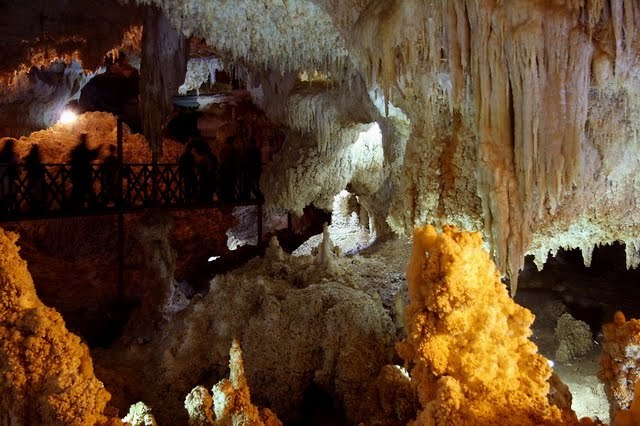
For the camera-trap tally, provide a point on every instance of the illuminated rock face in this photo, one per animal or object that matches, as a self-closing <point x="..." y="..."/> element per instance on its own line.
<point x="467" y="340"/>
<point x="517" y="119"/>
<point x="619" y="364"/>
<point x="36" y="100"/>
<point x="230" y="403"/>
<point x="38" y="34"/>
<point x="46" y="373"/>
<point x="521" y="115"/>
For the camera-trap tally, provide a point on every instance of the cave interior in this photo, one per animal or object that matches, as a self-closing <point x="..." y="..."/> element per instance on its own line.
<point x="319" y="212"/>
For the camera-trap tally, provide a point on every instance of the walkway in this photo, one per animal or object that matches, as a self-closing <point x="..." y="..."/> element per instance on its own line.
<point x="134" y="187"/>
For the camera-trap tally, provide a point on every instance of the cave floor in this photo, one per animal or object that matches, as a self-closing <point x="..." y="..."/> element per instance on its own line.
<point x="589" y="399"/>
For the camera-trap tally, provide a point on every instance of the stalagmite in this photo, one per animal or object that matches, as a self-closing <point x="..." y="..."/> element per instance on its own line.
<point x="140" y="415"/>
<point x="467" y="341"/>
<point x="46" y="373"/>
<point x="630" y="417"/>
<point x="619" y="364"/>
<point x="231" y="400"/>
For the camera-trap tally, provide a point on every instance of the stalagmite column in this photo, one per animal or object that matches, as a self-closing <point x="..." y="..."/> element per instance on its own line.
<point x="163" y="67"/>
<point x="619" y="363"/>
<point x="467" y="340"/>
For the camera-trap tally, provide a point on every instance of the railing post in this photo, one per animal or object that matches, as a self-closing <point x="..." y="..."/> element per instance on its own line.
<point x="154" y="179"/>
<point x="120" y="208"/>
<point x="120" y="154"/>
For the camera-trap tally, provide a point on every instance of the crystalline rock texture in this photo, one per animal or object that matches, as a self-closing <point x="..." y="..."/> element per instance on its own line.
<point x="467" y="340"/>
<point x="46" y="373"/>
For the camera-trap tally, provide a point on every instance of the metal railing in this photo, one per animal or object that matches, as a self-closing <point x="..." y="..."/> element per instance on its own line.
<point x="55" y="189"/>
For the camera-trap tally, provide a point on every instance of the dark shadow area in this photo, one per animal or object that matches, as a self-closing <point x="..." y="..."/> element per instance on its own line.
<point x="309" y="224"/>
<point x="103" y="334"/>
<point x="318" y="409"/>
<point x="183" y="125"/>
<point x="591" y="294"/>
<point x="115" y="91"/>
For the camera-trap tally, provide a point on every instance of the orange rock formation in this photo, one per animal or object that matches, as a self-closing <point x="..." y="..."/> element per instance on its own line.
<point x="620" y="361"/>
<point x="231" y="401"/>
<point x="467" y="340"/>
<point x="46" y="373"/>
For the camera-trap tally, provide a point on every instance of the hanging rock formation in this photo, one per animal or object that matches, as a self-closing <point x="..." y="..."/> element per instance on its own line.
<point x="522" y="130"/>
<point x="162" y="71"/>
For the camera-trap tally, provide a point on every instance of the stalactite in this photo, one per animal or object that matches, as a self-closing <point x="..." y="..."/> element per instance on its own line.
<point x="163" y="68"/>
<point x="199" y="71"/>
<point x="284" y="35"/>
<point x="526" y="75"/>
<point x="513" y="105"/>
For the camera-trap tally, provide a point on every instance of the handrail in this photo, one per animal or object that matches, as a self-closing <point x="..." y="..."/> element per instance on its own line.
<point x="50" y="189"/>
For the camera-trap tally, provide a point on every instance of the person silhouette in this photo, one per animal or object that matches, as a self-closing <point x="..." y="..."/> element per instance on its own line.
<point x="187" y="173"/>
<point x="35" y="191"/>
<point x="8" y="175"/>
<point x="82" y="173"/>
<point x="109" y="175"/>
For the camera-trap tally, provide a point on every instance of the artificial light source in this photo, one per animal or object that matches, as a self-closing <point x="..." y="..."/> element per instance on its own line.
<point x="68" y="117"/>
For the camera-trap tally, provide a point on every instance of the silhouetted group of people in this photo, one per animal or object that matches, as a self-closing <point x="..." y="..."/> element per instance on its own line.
<point x="84" y="176"/>
<point x="235" y="176"/>
<point x="10" y="178"/>
<point x="32" y="186"/>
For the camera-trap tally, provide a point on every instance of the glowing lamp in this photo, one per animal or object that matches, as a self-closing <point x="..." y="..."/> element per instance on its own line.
<point x="68" y="117"/>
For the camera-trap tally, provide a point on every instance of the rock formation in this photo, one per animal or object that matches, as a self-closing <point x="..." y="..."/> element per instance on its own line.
<point x="631" y="416"/>
<point x="231" y="400"/>
<point x="472" y="104"/>
<point x="574" y="337"/>
<point x="620" y="361"/>
<point x="517" y="120"/>
<point x="302" y="321"/>
<point x="46" y="373"/>
<point x="467" y="340"/>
